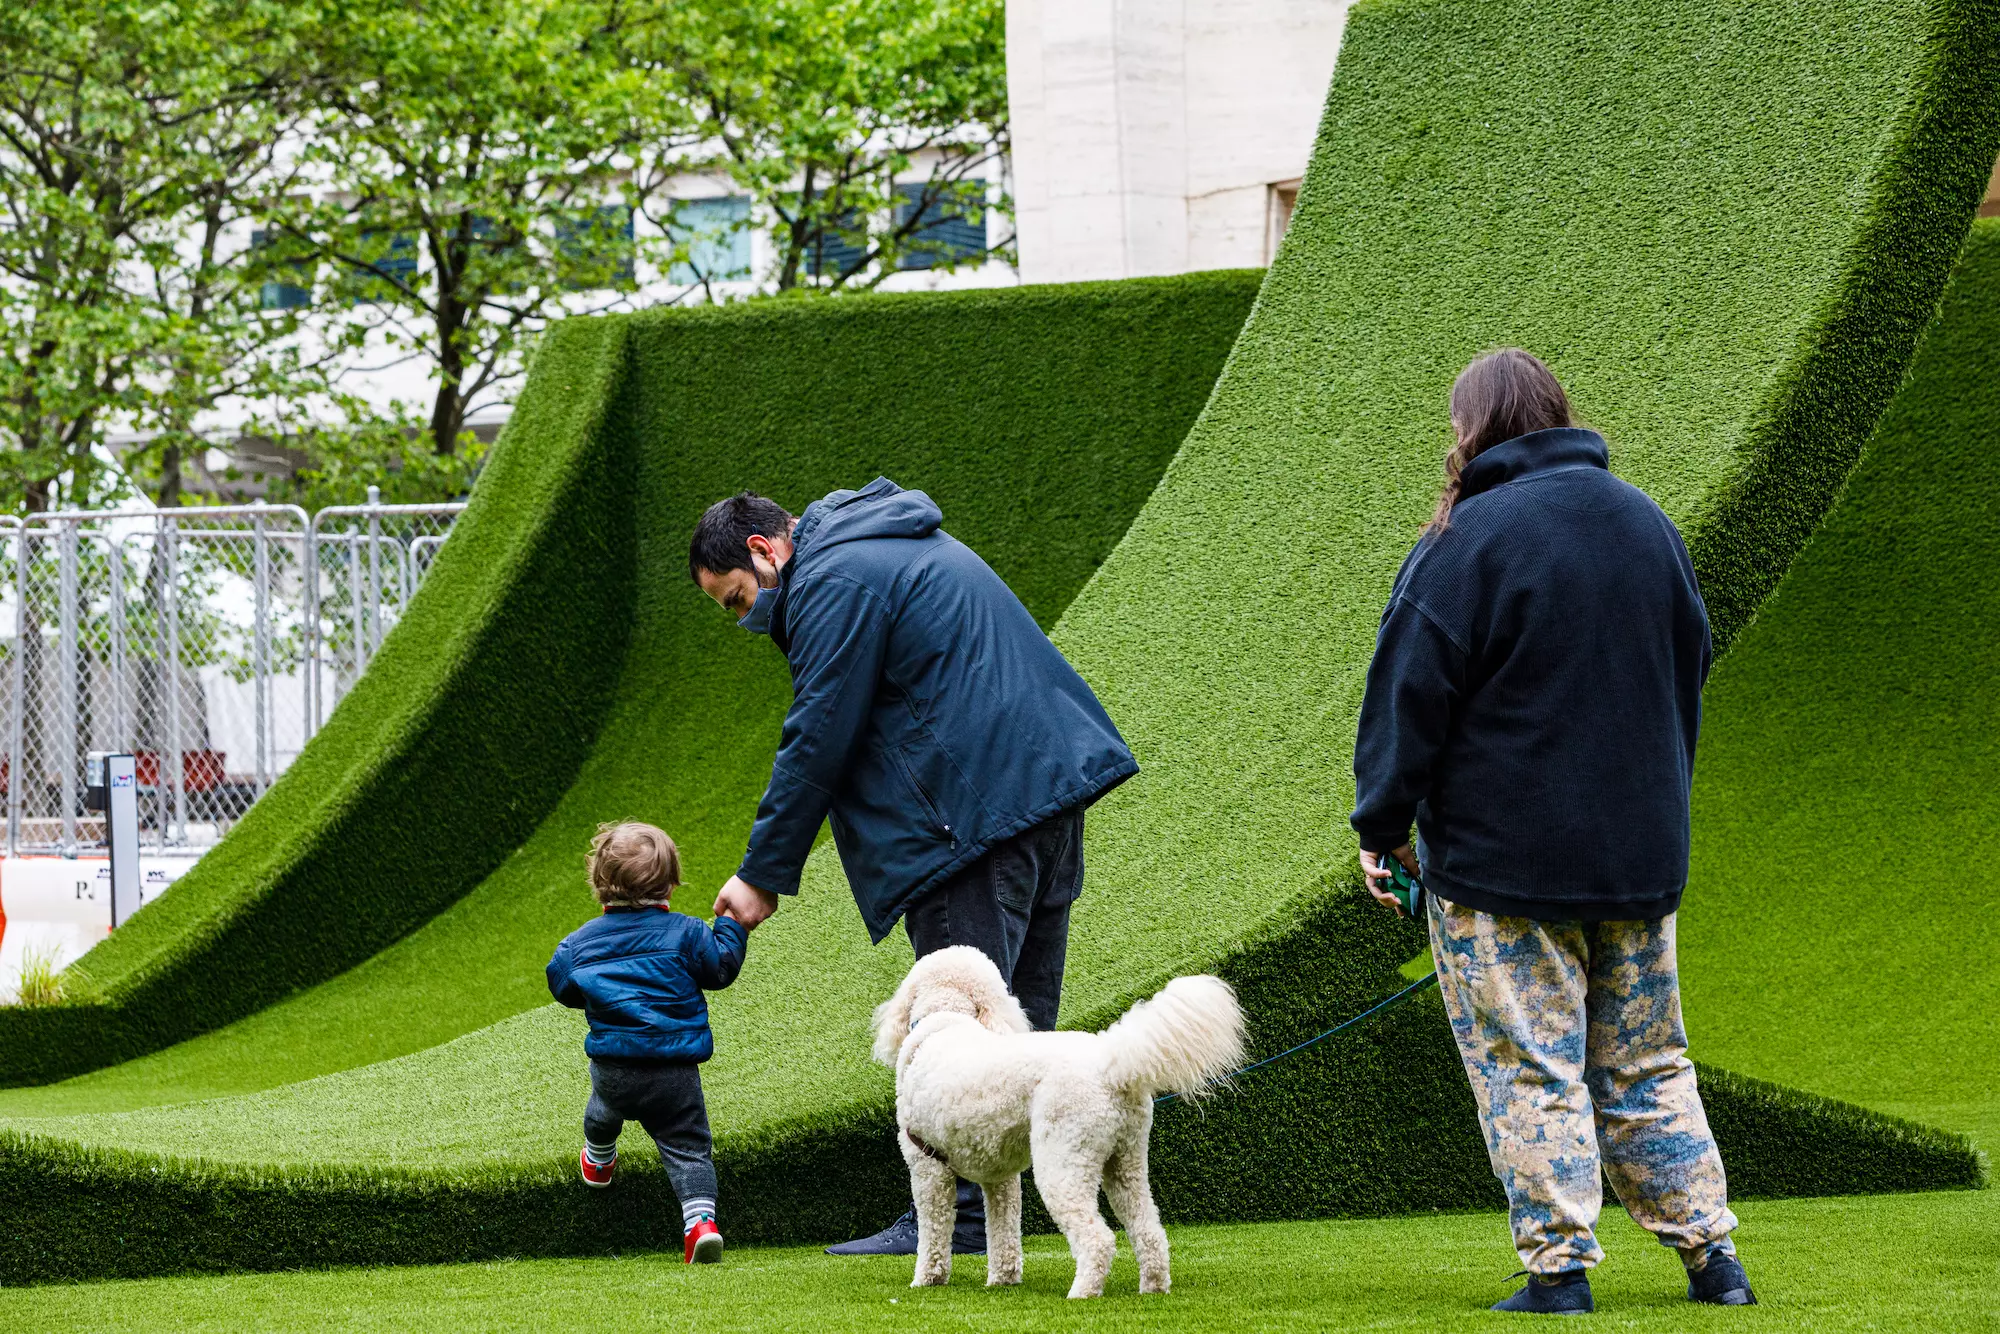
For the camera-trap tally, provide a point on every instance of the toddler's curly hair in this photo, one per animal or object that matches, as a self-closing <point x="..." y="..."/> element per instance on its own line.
<point x="633" y="865"/>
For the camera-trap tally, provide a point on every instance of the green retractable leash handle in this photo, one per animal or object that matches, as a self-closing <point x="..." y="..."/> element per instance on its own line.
<point x="1408" y="888"/>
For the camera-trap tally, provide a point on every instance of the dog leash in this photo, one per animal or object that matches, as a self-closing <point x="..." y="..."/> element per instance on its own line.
<point x="1379" y="1007"/>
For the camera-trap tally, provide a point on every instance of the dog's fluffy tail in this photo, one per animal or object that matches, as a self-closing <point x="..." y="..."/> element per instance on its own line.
<point x="1181" y="1041"/>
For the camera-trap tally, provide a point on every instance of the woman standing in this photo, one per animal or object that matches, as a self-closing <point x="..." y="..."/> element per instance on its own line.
<point x="1532" y="707"/>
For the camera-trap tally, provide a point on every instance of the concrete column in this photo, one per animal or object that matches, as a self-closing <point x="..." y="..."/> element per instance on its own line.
<point x="1147" y="133"/>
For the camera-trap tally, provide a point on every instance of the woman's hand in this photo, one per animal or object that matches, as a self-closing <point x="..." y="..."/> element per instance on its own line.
<point x="1377" y="875"/>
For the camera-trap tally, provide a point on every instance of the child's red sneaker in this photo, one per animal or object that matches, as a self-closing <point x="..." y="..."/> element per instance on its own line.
<point x="704" y="1242"/>
<point x="594" y="1175"/>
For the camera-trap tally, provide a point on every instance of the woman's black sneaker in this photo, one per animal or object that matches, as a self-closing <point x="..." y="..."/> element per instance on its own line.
<point x="1567" y="1293"/>
<point x="1721" y="1282"/>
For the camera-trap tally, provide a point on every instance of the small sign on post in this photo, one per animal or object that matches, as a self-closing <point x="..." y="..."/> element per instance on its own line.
<point x="121" y="818"/>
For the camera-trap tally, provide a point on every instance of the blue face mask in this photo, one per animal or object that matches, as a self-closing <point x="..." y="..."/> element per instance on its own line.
<point x="757" y="620"/>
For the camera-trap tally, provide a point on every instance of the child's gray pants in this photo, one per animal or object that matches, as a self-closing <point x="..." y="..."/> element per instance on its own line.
<point x="666" y="1099"/>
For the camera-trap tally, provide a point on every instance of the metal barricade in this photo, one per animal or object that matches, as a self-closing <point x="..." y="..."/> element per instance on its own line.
<point x="365" y="565"/>
<point x="210" y="642"/>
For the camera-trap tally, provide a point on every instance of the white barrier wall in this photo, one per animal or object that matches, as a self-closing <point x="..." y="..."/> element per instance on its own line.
<point x="63" y="905"/>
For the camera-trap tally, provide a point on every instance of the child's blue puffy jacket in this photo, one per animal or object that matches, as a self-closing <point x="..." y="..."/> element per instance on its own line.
<point x="638" y="974"/>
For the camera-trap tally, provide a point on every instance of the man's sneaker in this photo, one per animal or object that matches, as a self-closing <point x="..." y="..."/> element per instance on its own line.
<point x="704" y="1242"/>
<point x="593" y="1175"/>
<point x="1567" y="1293"/>
<point x="1721" y="1282"/>
<point x="968" y="1237"/>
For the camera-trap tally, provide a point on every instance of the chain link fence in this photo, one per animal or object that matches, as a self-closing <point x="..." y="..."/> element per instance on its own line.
<point x="208" y="642"/>
<point x="367" y="563"/>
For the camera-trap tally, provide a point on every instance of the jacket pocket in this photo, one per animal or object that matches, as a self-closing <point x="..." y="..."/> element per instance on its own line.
<point x="925" y="801"/>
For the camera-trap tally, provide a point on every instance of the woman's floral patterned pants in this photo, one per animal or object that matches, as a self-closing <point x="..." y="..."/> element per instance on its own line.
<point x="1571" y="1034"/>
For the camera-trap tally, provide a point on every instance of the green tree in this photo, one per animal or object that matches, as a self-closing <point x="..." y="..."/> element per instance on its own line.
<point x="855" y="126"/>
<point x="132" y="139"/>
<point x="475" y="163"/>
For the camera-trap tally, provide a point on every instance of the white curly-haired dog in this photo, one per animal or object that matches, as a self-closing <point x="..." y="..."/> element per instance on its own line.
<point x="979" y="1095"/>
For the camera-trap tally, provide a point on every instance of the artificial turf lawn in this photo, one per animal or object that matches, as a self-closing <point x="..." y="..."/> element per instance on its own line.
<point x="1880" y="1263"/>
<point x="1722" y="225"/>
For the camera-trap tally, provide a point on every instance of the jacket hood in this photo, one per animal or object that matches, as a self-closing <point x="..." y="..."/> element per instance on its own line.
<point x="879" y="509"/>
<point x="1537" y="451"/>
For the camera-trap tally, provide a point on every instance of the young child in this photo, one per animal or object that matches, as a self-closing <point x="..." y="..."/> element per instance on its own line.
<point x="638" y="973"/>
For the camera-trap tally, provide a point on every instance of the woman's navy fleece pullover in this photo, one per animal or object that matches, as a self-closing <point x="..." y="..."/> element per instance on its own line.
<point x="1535" y="695"/>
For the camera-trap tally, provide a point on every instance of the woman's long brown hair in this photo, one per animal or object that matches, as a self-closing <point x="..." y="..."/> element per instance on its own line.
<point x="1502" y="394"/>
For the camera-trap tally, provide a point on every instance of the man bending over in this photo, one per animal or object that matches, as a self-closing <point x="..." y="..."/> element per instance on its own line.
<point x="950" y="743"/>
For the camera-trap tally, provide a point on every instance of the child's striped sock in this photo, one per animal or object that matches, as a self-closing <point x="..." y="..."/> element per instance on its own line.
<point x="601" y="1155"/>
<point x="693" y="1211"/>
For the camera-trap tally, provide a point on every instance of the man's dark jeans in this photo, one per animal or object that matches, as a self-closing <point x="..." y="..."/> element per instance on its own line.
<point x="1013" y="906"/>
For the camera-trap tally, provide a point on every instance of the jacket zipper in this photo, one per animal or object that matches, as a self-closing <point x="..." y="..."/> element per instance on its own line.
<point x="924" y="796"/>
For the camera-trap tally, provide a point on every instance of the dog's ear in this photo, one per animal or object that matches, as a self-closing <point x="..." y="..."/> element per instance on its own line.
<point x="1000" y="1012"/>
<point x="892" y="1021"/>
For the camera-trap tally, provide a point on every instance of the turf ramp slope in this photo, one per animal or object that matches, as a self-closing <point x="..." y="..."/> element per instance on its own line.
<point x="1841" y="933"/>
<point x="1040" y="418"/>
<point x="1725" y="228"/>
<point x="1723" y="225"/>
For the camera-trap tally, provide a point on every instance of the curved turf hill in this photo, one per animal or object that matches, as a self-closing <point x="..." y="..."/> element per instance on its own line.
<point x="1040" y="419"/>
<point x="1847" y="814"/>
<point x="1725" y="225"/>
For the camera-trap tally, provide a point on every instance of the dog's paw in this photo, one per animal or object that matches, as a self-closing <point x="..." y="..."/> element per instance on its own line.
<point x="1002" y="1278"/>
<point x="931" y="1278"/>
<point x="1080" y="1291"/>
<point x="1155" y="1283"/>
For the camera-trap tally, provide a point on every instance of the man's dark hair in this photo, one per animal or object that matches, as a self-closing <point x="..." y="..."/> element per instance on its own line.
<point x="725" y="527"/>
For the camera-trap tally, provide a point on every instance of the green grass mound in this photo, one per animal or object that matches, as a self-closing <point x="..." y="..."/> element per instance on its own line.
<point x="1841" y="935"/>
<point x="1040" y="418"/>
<point x="1724" y="226"/>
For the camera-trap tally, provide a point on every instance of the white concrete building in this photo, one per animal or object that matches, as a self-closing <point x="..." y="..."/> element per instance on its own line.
<point x="1161" y="136"/>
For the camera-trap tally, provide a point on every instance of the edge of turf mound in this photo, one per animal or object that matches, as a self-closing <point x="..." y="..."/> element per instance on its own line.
<point x="87" y="1213"/>
<point x="467" y="728"/>
<point x="1849" y="746"/>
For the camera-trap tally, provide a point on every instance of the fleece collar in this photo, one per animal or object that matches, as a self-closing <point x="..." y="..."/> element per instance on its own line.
<point x="1535" y="452"/>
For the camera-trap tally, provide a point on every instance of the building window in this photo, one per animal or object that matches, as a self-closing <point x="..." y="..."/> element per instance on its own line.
<point x="390" y="260"/>
<point x="949" y="229"/>
<point x="596" y="247"/>
<point x="839" y="247"/>
<point x="1280" y="200"/>
<point x="278" y="293"/>
<point x="716" y="233"/>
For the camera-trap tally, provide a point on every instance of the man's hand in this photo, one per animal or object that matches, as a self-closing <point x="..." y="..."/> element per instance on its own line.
<point x="745" y="902"/>
<point x="1377" y="875"/>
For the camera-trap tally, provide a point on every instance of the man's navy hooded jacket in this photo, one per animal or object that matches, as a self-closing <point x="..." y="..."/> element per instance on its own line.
<point x="1536" y="693"/>
<point x="931" y="717"/>
<point x="638" y="975"/>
